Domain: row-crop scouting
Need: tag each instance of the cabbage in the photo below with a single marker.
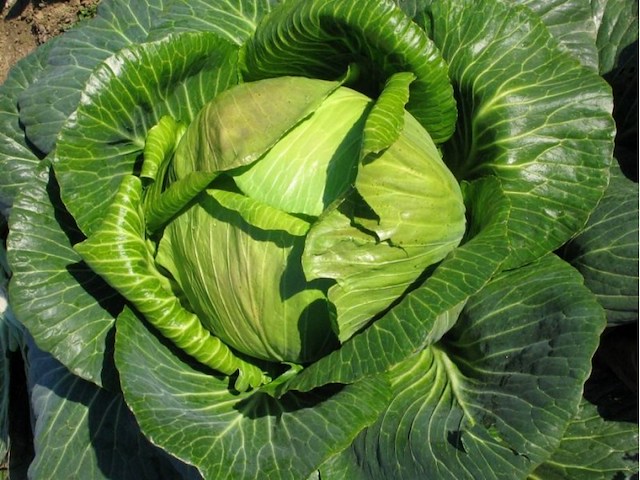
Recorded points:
(374, 239)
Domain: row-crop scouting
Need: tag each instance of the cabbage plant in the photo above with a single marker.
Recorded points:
(323, 239)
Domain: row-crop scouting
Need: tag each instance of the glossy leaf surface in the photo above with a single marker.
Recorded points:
(196, 418)
(67, 308)
(531, 115)
(123, 99)
(83, 431)
(491, 399)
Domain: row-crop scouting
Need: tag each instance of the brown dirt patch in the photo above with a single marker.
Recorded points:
(26, 24)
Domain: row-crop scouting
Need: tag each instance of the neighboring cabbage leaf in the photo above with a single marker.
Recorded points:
(624, 83)
(601, 441)
(18, 160)
(617, 23)
(606, 251)
(593, 448)
(11, 342)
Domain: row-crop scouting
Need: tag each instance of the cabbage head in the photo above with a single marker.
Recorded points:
(275, 256)
(282, 226)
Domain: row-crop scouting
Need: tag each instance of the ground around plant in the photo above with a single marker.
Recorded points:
(25, 24)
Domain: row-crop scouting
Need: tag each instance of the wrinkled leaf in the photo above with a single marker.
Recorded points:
(11, 333)
(48, 102)
(572, 23)
(624, 83)
(617, 23)
(593, 448)
(194, 416)
(83, 431)
(123, 99)
(68, 309)
(531, 115)
(17, 160)
(601, 441)
(234, 20)
(492, 399)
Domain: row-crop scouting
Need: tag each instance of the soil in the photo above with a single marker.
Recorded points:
(25, 24)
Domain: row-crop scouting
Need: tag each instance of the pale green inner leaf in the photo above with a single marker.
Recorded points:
(245, 282)
(416, 218)
(314, 163)
(241, 124)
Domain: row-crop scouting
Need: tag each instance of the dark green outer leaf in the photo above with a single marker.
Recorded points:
(128, 94)
(492, 399)
(17, 160)
(613, 383)
(234, 20)
(321, 39)
(192, 414)
(68, 309)
(601, 442)
(530, 115)
(45, 105)
(118, 251)
(84, 432)
(11, 334)
(606, 251)
(571, 22)
(617, 22)
(624, 83)
(5, 385)
(424, 315)
(593, 448)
